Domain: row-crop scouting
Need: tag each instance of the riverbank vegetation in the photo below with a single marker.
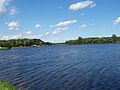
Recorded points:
(5, 48)
(7, 44)
(95, 40)
(22, 43)
(6, 86)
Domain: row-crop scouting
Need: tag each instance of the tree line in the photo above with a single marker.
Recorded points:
(95, 40)
(22, 42)
(38, 42)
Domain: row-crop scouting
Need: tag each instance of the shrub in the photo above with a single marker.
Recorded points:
(6, 86)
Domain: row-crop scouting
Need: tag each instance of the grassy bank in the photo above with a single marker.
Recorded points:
(4, 48)
(6, 86)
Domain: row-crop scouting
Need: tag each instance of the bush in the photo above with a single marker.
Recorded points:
(6, 86)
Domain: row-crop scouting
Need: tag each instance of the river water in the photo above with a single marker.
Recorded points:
(67, 67)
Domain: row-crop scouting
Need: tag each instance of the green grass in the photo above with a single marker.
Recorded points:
(4, 48)
(6, 86)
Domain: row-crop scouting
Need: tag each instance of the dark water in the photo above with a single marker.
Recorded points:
(75, 67)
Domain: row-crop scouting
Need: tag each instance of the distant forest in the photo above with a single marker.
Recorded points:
(22, 42)
(95, 40)
(38, 42)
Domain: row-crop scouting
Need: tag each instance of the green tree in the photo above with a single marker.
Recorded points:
(95, 40)
(114, 38)
(80, 40)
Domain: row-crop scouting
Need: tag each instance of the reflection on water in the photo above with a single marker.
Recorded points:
(73, 67)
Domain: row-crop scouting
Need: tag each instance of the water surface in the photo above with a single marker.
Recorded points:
(69, 67)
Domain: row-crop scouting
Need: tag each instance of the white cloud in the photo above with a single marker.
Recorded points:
(3, 4)
(15, 36)
(93, 5)
(117, 21)
(59, 30)
(82, 5)
(31, 36)
(41, 35)
(13, 25)
(6, 37)
(16, 28)
(56, 31)
(29, 32)
(47, 33)
(82, 26)
(18, 36)
(65, 23)
(38, 26)
(13, 11)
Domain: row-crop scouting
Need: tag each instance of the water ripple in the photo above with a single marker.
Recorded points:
(73, 67)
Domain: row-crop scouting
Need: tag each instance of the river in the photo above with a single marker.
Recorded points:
(67, 67)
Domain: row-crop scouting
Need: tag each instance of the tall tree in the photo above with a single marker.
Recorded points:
(114, 37)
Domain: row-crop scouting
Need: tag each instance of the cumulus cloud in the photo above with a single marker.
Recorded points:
(13, 25)
(82, 5)
(117, 21)
(65, 23)
(38, 26)
(82, 26)
(29, 32)
(56, 31)
(3, 4)
(6, 8)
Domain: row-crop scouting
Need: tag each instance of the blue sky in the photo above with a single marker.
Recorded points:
(59, 20)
